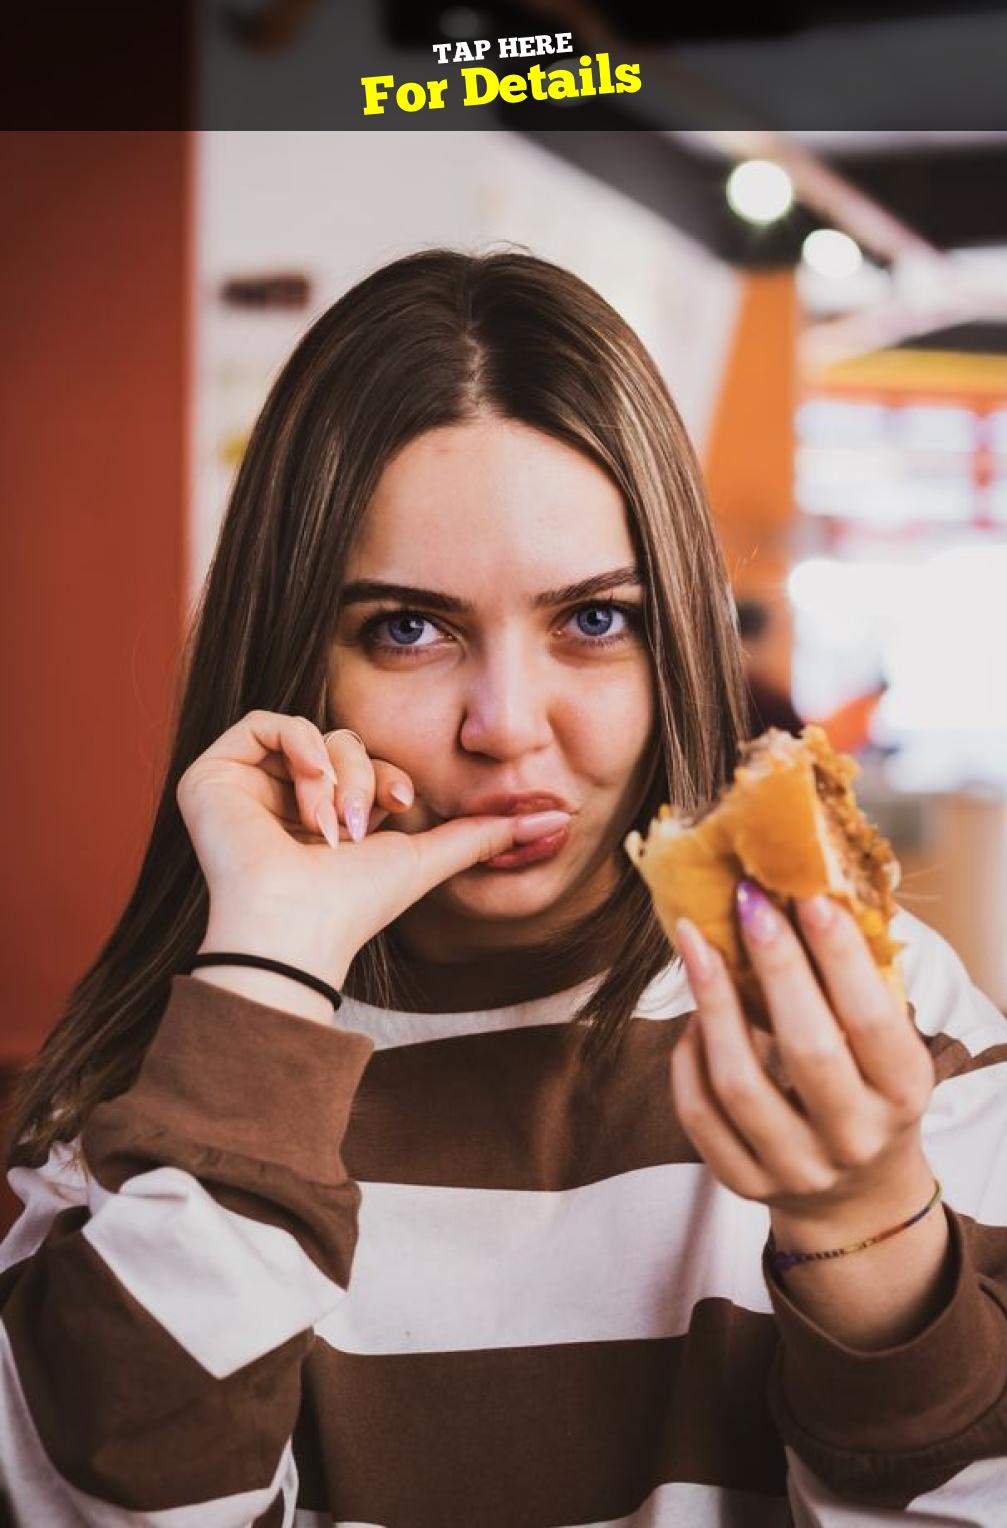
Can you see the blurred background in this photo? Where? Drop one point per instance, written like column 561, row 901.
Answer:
column 829, row 309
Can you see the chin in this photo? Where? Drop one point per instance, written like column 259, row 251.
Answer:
column 532, row 888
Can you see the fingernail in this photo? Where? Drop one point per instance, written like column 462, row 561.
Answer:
column 325, row 765
column 699, row 958
column 538, row 824
column 402, row 792
column 758, row 916
column 325, row 812
column 356, row 819
column 819, row 912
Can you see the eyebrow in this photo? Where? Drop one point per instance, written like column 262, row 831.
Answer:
column 373, row 589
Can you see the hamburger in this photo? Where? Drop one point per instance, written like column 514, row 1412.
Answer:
column 790, row 821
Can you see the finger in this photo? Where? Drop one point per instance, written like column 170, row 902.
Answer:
column 279, row 796
column 355, row 781
column 376, row 802
column 267, row 740
column 291, row 791
column 388, row 778
column 812, row 1043
column 364, row 789
column 314, row 790
column 264, row 738
column 780, row 1138
column 274, row 788
column 703, row 1120
column 463, row 842
column 888, row 1049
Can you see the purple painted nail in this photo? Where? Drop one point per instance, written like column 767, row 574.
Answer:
column 758, row 916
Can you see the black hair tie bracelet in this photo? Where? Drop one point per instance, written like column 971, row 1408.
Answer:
column 225, row 958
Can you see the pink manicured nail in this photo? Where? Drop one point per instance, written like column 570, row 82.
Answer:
column 401, row 791
column 700, row 960
column 758, row 916
column 819, row 912
column 327, row 821
column 356, row 817
column 538, row 824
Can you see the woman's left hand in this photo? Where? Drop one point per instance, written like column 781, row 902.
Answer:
column 861, row 1076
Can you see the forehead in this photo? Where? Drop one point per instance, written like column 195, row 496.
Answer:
column 492, row 494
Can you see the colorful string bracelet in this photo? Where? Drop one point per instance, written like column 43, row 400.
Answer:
column 781, row 1261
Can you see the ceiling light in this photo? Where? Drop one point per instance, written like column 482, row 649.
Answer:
column 759, row 191
column 831, row 253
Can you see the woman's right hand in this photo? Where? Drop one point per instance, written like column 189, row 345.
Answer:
column 251, row 805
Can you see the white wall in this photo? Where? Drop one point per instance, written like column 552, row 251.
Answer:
column 335, row 205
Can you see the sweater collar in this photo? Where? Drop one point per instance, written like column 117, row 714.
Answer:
column 665, row 997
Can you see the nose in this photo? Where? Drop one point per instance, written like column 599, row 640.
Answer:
column 506, row 705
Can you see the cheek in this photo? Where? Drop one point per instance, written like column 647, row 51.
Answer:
column 615, row 716
column 397, row 720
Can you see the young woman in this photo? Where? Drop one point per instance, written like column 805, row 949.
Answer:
column 486, row 1239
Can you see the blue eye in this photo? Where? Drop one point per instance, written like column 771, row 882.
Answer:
column 593, row 610
column 406, row 618
column 632, row 617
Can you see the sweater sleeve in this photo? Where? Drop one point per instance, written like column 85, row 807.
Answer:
column 919, row 1428
column 158, row 1299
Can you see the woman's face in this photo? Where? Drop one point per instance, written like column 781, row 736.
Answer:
column 510, row 694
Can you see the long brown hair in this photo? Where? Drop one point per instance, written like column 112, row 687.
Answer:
column 425, row 341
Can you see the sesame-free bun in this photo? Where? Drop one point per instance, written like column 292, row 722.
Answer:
column 789, row 820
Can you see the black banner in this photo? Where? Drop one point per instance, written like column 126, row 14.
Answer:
column 608, row 65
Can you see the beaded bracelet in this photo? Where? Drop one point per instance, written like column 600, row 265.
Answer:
column 781, row 1261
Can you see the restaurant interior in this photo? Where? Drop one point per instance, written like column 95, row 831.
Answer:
column 828, row 308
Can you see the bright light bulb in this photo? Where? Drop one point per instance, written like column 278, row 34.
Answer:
column 759, row 191
column 831, row 253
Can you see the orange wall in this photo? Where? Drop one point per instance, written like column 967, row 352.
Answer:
column 749, row 457
column 93, row 483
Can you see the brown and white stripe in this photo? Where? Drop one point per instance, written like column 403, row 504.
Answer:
column 424, row 1269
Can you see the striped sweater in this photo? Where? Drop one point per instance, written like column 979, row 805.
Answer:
column 420, row 1270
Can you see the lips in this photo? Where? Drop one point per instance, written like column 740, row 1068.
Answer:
column 512, row 804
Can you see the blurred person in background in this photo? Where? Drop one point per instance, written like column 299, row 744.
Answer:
column 768, row 704
column 847, row 727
